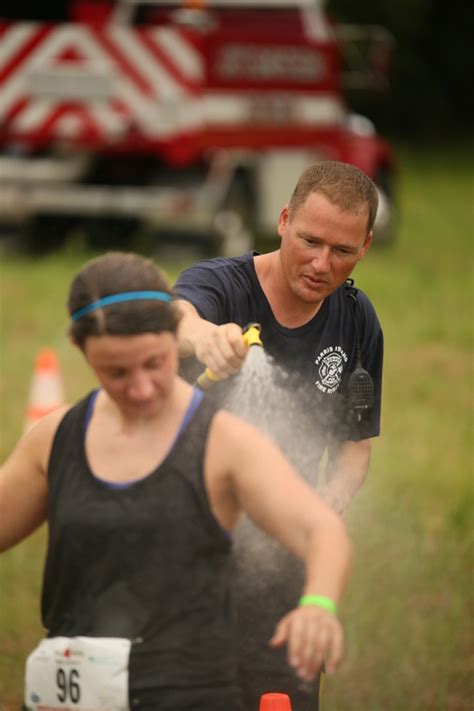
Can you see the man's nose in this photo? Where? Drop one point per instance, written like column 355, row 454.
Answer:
column 322, row 260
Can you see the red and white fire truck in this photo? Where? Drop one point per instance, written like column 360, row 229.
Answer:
column 179, row 118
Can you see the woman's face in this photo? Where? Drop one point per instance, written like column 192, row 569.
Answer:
column 137, row 372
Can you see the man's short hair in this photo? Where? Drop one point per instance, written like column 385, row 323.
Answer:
column 342, row 184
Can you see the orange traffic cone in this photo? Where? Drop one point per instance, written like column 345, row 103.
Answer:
column 275, row 702
column 46, row 390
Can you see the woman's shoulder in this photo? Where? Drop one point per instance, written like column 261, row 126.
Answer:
column 47, row 425
column 34, row 446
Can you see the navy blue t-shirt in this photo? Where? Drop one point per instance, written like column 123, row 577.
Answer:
column 319, row 356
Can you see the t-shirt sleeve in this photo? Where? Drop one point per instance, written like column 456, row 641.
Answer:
column 204, row 288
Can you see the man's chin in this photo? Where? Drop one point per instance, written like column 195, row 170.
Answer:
column 314, row 295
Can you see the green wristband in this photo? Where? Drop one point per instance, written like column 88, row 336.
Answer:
column 320, row 601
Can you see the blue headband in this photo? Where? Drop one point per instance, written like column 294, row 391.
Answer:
column 118, row 298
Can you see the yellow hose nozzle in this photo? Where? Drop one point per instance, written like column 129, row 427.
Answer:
column 251, row 335
column 207, row 379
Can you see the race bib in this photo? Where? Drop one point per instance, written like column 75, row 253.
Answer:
column 80, row 673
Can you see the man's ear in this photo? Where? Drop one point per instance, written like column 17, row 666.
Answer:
column 283, row 220
column 366, row 245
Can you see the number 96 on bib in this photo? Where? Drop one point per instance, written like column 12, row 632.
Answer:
column 80, row 673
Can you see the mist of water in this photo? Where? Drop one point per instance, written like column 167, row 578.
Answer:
column 269, row 579
column 262, row 395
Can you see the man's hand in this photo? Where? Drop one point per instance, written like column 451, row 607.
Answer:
column 313, row 636
column 220, row 348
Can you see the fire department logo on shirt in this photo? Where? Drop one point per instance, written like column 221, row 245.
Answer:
column 330, row 363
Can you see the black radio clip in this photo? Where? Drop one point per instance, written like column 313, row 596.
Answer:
column 360, row 387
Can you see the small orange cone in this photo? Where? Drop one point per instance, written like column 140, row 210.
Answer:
column 46, row 390
column 275, row 702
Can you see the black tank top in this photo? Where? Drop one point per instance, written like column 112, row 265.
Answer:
column 148, row 562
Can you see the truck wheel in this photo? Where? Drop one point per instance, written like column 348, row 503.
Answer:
column 45, row 233
column 105, row 233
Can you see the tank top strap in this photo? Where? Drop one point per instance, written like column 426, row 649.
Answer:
column 190, row 412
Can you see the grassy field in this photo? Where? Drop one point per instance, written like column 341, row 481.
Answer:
column 408, row 610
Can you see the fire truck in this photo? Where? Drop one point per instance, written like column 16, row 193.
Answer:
column 184, row 118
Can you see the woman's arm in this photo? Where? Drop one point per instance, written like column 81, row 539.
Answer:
column 23, row 483
column 245, row 470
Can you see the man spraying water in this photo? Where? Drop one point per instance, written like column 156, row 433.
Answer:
column 325, row 338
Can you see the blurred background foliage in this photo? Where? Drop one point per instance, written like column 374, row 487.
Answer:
column 432, row 65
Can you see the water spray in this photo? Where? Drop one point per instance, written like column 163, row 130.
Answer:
column 251, row 337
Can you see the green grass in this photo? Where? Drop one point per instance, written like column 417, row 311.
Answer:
column 408, row 608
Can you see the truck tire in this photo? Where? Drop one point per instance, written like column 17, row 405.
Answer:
column 45, row 233
column 111, row 232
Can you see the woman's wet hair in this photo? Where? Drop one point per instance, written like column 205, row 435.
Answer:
column 120, row 273
column 342, row 184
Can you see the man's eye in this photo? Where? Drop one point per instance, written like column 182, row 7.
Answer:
column 116, row 374
column 154, row 364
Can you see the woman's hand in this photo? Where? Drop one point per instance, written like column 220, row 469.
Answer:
column 313, row 636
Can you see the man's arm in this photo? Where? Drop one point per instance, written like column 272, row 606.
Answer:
column 346, row 470
column 220, row 348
